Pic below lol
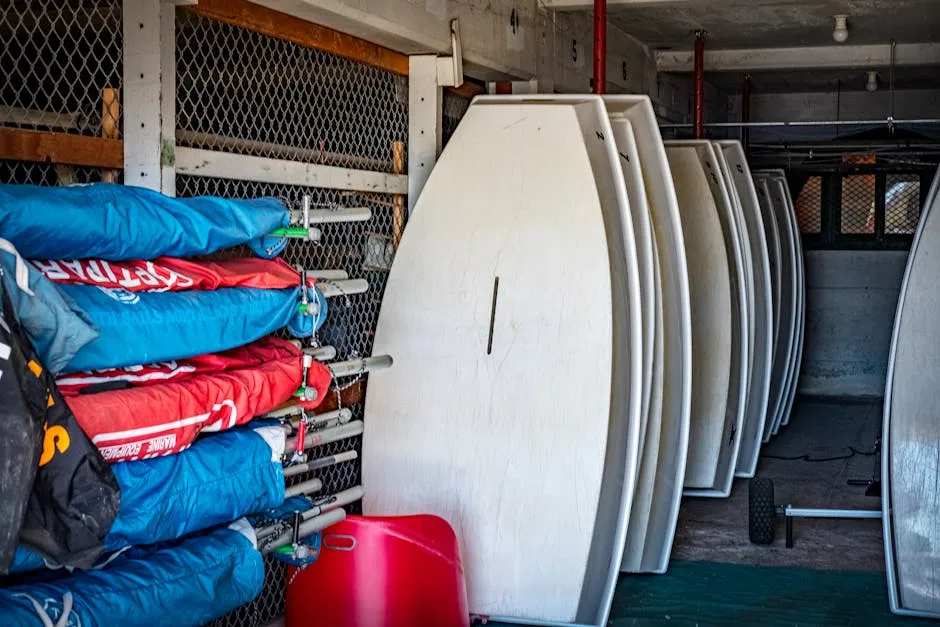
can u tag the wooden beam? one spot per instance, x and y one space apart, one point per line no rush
63 148
467 90
110 114
276 24
259 19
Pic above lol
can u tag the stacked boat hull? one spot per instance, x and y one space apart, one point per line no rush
559 335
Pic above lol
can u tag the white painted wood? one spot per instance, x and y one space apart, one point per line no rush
782 307
711 314
741 286
149 94
652 528
425 119
227 165
478 434
759 391
911 451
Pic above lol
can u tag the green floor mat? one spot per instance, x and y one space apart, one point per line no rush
709 593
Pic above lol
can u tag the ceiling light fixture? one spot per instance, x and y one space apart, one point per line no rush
841 32
872 84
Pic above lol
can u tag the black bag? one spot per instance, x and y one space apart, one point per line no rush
74 497
22 411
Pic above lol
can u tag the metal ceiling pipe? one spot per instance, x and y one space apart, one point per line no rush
698 109
807 123
599 83
894 45
746 113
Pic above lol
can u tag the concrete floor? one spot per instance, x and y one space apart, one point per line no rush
716 529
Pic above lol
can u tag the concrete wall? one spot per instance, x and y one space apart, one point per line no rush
816 106
849 105
501 39
673 98
850 304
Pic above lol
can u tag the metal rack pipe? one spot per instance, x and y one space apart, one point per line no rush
355 367
308 527
331 289
304 487
802 123
320 462
321 353
333 434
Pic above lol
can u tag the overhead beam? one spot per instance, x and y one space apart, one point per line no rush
274 23
809 58
574 5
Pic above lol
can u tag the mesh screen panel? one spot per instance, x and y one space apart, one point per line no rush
858 204
25 173
454 106
60 70
809 206
56 61
902 203
241 91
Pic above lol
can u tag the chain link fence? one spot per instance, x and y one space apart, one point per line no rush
60 70
809 206
858 205
454 106
244 92
902 204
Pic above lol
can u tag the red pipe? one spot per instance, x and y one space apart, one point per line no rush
746 112
698 110
599 83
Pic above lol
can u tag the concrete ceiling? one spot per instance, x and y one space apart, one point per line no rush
776 23
826 80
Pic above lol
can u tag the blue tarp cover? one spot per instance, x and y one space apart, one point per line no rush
146 327
220 478
189 582
121 223
56 326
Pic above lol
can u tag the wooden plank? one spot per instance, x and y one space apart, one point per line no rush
197 162
273 23
110 114
283 26
398 203
45 147
467 89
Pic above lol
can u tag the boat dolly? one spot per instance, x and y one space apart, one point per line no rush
762 512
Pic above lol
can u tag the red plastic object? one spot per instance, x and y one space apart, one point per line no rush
382 572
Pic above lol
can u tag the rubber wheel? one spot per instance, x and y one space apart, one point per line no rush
761 510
